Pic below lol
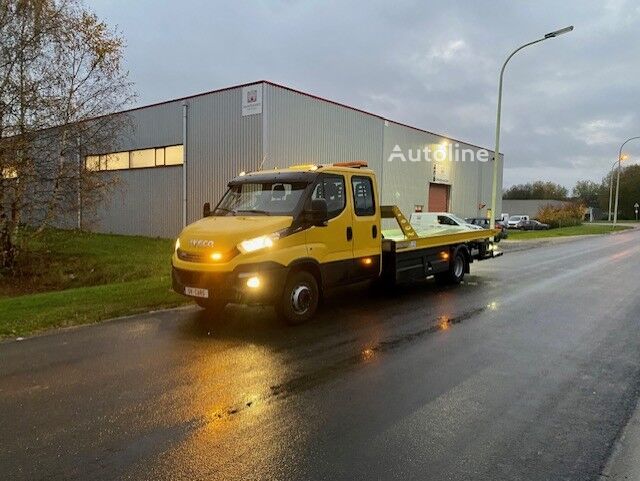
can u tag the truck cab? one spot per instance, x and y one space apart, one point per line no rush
282 237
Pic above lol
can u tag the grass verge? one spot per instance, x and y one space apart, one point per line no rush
585 229
85 278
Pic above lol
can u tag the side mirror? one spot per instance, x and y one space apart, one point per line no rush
206 209
317 214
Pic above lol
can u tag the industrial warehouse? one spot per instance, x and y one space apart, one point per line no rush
181 154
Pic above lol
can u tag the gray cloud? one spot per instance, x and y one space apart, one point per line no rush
568 102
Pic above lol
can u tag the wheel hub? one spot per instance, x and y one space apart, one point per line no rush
301 299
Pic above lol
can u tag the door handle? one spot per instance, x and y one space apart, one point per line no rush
374 231
349 233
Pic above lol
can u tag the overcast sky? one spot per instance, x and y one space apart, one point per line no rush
568 102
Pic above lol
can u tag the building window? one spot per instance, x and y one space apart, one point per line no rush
160 156
142 158
116 161
173 155
136 159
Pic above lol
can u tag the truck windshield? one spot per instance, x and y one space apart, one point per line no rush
276 198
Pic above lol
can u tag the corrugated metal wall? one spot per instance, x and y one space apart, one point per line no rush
294 128
406 183
146 202
300 129
221 143
153 126
471 184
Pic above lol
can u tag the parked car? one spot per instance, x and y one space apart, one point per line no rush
431 220
532 225
514 220
483 223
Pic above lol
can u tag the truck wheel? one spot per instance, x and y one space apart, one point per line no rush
212 307
300 298
455 274
456 268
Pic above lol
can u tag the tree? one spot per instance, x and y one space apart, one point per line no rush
629 191
588 192
536 190
61 74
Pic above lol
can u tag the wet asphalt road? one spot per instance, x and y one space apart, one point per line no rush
527 371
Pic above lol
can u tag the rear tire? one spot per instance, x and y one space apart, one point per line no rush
455 274
300 298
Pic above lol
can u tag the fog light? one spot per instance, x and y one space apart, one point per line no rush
216 256
253 282
367 261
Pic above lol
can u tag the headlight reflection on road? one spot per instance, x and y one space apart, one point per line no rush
368 354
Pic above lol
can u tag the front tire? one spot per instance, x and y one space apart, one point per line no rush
300 298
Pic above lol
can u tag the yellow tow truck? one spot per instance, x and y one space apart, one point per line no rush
285 237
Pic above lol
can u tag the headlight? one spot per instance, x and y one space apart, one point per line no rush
258 243
177 245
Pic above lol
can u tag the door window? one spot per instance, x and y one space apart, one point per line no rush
331 189
364 203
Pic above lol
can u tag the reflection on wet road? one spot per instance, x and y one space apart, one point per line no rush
526 371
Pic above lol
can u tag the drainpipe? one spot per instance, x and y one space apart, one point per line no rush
184 164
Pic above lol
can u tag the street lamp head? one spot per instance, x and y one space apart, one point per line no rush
559 32
624 157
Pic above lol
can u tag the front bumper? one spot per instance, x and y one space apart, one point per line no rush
232 286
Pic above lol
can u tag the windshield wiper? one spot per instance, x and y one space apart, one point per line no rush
253 211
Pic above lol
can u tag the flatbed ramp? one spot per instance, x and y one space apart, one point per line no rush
407 238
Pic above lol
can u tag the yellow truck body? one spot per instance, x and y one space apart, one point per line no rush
285 237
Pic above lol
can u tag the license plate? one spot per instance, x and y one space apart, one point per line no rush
196 292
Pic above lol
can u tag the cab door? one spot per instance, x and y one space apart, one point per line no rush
332 245
367 238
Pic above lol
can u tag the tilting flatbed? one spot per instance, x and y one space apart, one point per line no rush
408 255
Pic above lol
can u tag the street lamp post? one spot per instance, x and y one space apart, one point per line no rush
496 152
611 188
615 212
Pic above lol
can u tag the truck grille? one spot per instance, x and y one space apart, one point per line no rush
204 257
190 257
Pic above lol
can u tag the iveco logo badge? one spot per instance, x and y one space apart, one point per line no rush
201 243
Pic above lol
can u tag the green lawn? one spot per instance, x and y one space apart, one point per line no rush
67 278
585 229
